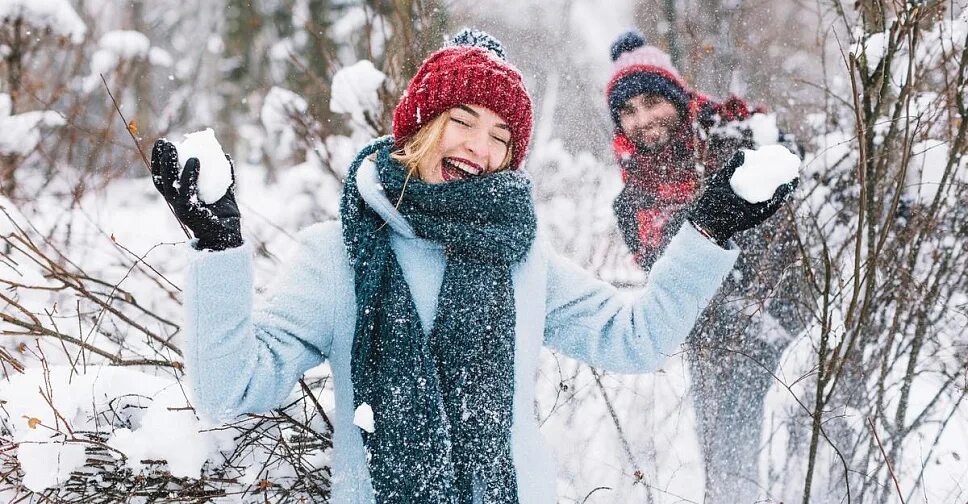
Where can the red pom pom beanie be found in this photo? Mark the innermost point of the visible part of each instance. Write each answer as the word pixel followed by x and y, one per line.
pixel 471 70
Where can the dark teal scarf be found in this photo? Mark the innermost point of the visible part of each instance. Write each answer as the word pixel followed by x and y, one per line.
pixel 442 405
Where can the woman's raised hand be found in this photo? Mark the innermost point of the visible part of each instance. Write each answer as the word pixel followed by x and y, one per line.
pixel 217 226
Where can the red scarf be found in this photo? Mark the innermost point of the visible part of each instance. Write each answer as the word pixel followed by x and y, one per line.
pixel 668 173
pixel 667 178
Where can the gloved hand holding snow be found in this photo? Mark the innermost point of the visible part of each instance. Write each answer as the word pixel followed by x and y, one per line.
pixel 762 171
pixel 215 175
pixel 216 225
pixel 722 212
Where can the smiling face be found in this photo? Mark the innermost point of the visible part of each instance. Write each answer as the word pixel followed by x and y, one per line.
pixel 474 142
pixel 648 120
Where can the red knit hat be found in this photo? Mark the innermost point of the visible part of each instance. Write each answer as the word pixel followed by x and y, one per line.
pixel 470 71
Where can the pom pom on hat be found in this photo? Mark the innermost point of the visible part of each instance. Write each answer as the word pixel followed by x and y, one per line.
pixel 477 38
pixel 627 42
pixel 630 50
pixel 469 70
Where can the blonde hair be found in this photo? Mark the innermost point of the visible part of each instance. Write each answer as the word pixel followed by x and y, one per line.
pixel 422 143
pixel 425 140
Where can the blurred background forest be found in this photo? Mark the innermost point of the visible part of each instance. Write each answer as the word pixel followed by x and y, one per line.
pixel 855 393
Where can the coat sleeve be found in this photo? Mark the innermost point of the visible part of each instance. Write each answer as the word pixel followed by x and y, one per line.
pixel 245 360
pixel 632 332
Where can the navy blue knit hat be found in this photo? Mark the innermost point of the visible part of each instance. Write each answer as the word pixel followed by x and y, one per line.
pixel 642 69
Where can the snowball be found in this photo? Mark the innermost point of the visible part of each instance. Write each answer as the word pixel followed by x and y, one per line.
pixel 214 172
pixel 363 418
pixel 764 170
pixel 355 89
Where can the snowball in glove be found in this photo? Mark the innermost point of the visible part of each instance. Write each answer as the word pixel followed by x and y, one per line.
pixel 722 213
pixel 216 178
pixel 217 226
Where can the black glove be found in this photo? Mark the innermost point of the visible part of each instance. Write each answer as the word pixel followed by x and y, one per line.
pixel 722 213
pixel 217 226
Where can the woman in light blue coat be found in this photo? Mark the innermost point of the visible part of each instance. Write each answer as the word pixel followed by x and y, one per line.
pixel 431 297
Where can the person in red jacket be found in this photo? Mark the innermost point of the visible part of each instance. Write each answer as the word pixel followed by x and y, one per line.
pixel 667 137
pixel 669 140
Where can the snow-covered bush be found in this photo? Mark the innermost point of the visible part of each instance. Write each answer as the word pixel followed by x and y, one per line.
pixel 868 401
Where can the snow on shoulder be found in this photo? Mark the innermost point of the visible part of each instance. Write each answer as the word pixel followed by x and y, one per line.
pixel 214 172
pixel 762 171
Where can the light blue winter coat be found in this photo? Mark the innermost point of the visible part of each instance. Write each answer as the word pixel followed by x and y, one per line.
pixel 242 361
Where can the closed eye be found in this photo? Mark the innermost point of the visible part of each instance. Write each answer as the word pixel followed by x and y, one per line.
pixel 505 141
pixel 462 123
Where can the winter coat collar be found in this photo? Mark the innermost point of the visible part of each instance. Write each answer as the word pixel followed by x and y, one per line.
pixel 368 182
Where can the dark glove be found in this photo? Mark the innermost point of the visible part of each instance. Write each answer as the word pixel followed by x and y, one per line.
pixel 722 213
pixel 217 226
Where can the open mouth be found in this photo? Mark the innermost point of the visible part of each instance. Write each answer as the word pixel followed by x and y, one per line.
pixel 453 168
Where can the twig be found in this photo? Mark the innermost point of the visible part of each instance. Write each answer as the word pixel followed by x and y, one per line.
pixel 639 474
pixel 144 158
pixel 589 494
pixel 137 145
pixel 890 468
pixel 319 407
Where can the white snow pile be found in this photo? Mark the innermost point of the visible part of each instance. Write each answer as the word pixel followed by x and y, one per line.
pixel 125 45
pixel 148 414
pixel 279 106
pixel 214 172
pixel 354 90
pixel 278 109
pixel 764 170
pixel 56 15
pixel 871 45
pixel 20 133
